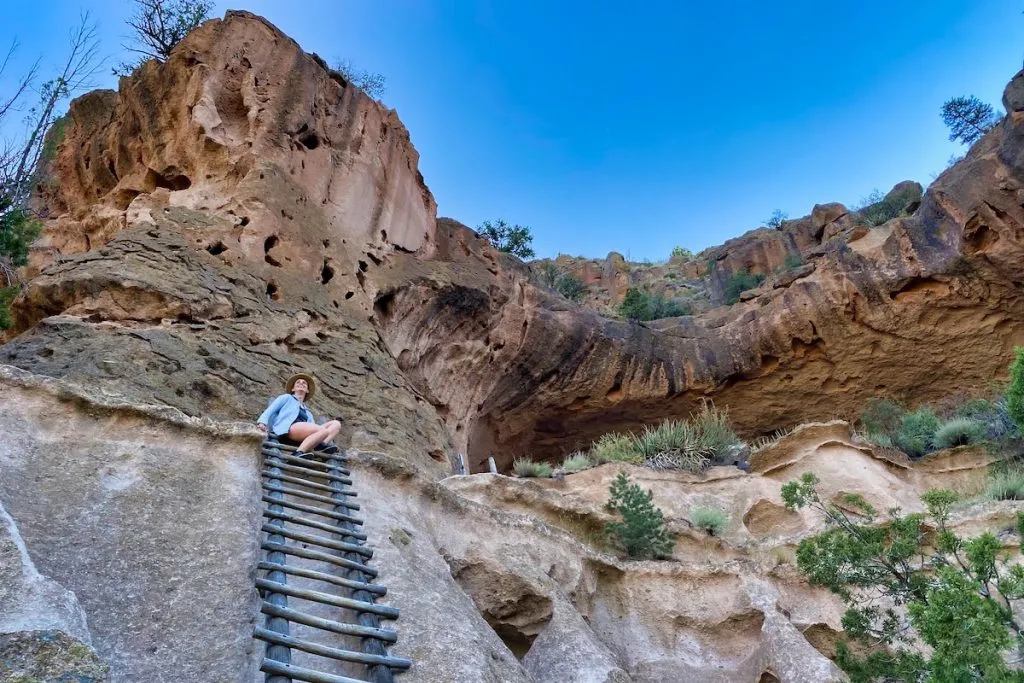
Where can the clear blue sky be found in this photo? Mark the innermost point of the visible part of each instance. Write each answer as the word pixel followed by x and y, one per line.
pixel 638 126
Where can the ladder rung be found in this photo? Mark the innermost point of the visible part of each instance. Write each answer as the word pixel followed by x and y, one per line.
pixel 339 454
pixel 375 588
pixel 382 634
pixel 332 652
pixel 305 462
pixel 319 540
pixel 327 598
pixel 298 673
pixel 305 482
pixel 292 549
pixel 322 526
pixel 330 514
pixel 309 472
pixel 311 496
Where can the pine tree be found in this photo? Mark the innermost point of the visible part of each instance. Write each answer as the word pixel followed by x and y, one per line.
pixel 642 531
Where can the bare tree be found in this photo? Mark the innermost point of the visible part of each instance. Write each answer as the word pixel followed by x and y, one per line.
pixel 18 165
pixel 19 159
pixel 159 25
pixel 369 82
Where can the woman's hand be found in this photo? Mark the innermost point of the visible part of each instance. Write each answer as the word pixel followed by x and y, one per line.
pixel 262 427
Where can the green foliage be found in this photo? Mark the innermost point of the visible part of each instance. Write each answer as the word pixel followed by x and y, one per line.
pixel 916 433
pixel 616 447
pixel 511 239
pixel 7 295
pixel 692 445
pixel 793 260
pixel 1006 483
pixel 681 254
pixel 159 25
pixel 546 273
pixel 371 83
pixel 993 415
pixel 777 218
pixel 882 416
pixel 956 592
pixel 877 208
pixel 1015 392
pixel 640 304
pixel 524 467
pixel 958 431
pixel 17 230
pixel 711 519
pixel 641 533
pixel 739 282
pixel 570 286
pixel 968 118
pixel 577 462
pixel 54 136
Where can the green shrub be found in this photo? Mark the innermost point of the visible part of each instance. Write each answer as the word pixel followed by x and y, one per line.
pixel 691 445
pixel 1015 392
pixel 681 254
pixel 546 273
pixel 713 426
pixel 1007 483
pixel 711 519
pixel 570 286
pixel 993 415
pixel 7 295
pixel 882 416
pixel 640 304
pixel 739 282
pixel 616 447
pixel 877 208
pixel 577 462
pixel 793 260
pixel 641 533
pixel 524 467
pixel 916 432
pixel 958 431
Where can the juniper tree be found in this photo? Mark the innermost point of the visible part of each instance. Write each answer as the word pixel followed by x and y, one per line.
pixel 641 533
pixel 909 581
pixel 968 119
pixel 512 239
pixel 158 26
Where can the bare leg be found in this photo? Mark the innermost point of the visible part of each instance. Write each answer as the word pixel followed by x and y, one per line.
pixel 312 435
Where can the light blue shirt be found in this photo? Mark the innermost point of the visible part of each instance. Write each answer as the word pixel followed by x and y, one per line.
pixel 282 413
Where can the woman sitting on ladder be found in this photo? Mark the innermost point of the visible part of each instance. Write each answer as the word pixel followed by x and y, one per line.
pixel 288 416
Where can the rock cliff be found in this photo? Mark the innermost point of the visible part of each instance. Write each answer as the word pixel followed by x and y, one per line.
pixel 241 212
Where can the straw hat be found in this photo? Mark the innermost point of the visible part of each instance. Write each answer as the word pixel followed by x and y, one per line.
pixel 310 382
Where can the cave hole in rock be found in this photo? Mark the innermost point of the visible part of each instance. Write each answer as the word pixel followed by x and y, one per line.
pixel 512 606
pixel 376 259
pixel 327 243
pixel 326 273
pixel 216 248
pixel 269 244
pixel 272 291
pixel 171 179
pixel 363 266
pixel 309 140
pixel 768 677
pixel 244 222
pixel 348 295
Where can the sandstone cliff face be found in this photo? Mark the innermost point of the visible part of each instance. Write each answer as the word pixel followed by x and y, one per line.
pixel 240 213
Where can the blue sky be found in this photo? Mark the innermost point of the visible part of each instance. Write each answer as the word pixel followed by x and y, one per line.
pixel 635 127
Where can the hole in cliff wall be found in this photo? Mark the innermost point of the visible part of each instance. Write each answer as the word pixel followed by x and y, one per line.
pixel 768 677
pixel 217 248
pixel 511 605
pixel 309 140
pixel 269 244
pixel 348 295
pixel 272 291
pixel 363 266
pixel 383 305
pixel 326 273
